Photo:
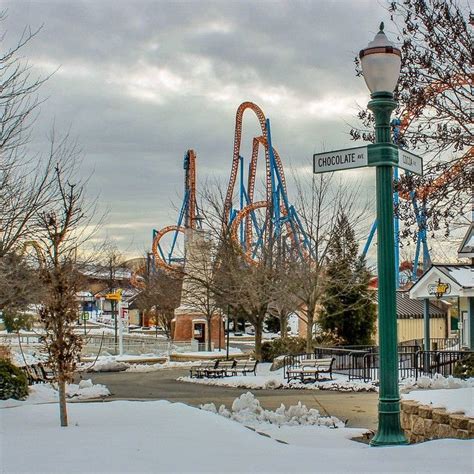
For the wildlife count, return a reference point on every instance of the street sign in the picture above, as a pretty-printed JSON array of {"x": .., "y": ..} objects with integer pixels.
[
  {"x": 85, "y": 316},
  {"x": 340, "y": 160},
  {"x": 116, "y": 296},
  {"x": 366, "y": 156},
  {"x": 410, "y": 162}
]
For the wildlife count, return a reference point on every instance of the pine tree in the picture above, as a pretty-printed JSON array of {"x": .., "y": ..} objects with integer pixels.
[{"x": 348, "y": 311}]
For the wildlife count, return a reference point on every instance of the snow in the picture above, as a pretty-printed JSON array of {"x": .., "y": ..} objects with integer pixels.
[
  {"x": 232, "y": 350},
  {"x": 435, "y": 383},
  {"x": 46, "y": 393},
  {"x": 459, "y": 400},
  {"x": 463, "y": 275},
  {"x": 154, "y": 367},
  {"x": 247, "y": 410},
  {"x": 162, "y": 437}
]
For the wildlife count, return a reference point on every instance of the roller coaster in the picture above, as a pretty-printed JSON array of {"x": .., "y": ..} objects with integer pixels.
[
  {"x": 243, "y": 221},
  {"x": 254, "y": 223},
  {"x": 281, "y": 222}
]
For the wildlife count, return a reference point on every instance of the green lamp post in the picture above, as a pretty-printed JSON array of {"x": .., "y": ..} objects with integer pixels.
[{"x": 381, "y": 62}]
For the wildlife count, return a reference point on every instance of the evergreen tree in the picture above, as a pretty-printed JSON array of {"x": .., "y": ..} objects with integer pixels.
[{"x": 348, "y": 311}]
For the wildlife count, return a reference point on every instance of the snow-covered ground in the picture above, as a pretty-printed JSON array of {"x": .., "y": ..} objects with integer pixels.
[
  {"x": 215, "y": 352},
  {"x": 163, "y": 437},
  {"x": 46, "y": 393},
  {"x": 459, "y": 400}
]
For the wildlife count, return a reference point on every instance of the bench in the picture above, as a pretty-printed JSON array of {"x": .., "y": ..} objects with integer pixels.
[
  {"x": 311, "y": 368},
  {"x": 37, "y": 373},
  {"x": 245, "y": 367},
  {"x": 224, "y": 368},
  {"x": 202, "y": 369}
]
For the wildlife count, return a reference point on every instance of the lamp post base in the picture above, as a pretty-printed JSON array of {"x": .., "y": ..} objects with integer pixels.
[{"x": 390, "y": 432}]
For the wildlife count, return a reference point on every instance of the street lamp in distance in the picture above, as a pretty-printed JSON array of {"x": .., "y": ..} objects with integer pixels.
[{"x": 381, "y": 62}]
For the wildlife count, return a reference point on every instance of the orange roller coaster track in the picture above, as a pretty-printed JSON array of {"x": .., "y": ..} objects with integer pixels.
[{"x": 279, "y": 214}]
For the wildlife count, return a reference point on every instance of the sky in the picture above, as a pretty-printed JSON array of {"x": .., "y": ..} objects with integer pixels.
[{"x": 140, "y": 82}]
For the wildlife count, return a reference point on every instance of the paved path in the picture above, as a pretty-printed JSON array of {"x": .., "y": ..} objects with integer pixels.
[{"x": 358, "y": 408}]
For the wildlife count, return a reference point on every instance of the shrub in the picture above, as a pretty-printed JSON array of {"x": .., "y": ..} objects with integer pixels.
[
  {"x": 464, "y": 368},
  {"x": 13, "y": 381},
  {"x": 278, "y": 347}
]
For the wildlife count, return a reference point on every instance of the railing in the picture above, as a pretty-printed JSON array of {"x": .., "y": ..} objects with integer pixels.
[
  {"x": 436, "y": 343},
  {"x": 364, "y": 365},
  {"x": 430, "y": 363}
]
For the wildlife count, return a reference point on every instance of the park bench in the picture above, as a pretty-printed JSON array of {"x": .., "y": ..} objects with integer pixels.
[
  {"x": 311, "y": 368},
  {"x": 245, "y": 367},
  {"x": 202, "y": 369},
  {"x": 37, "y": 373},
  {"x": 224, "y": 369}
]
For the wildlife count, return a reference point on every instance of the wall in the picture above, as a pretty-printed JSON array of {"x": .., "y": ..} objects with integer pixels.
[{"x": 422, "y": 423}]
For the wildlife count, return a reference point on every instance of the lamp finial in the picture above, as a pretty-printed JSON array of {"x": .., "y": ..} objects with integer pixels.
[{"x": 381, "y": 27}]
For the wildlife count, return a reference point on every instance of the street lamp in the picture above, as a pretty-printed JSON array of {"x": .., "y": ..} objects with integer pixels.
[{"x": 381, "y": 62}]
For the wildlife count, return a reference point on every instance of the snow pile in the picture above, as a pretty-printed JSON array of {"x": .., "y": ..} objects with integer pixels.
[
  {"x": 86, "y": 390},
  {"x": 46, "y": 393},
  {"x": 105, "y": 364},
  {"x": 453, "y": 400},
  {"x": 276, "y": 380},
  {"x": 247, "y": 410},
  {"x": 436, "y": 383},
  {"x": 153, "y": 367}
]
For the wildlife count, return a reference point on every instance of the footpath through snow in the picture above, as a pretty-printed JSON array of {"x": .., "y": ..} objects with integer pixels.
[{"x": 162, "y": 437}]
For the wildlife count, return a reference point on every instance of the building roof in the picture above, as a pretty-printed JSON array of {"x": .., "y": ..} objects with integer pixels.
[
  {"x": 463, "y": 275},
  {"x": 408, "y": 308},
  {"x": 466, "y": 249},
  {"x": 458, "y": 279}
]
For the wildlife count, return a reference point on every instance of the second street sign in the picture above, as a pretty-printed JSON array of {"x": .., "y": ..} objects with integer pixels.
[
  {"x": 410, "y": 162},
  {"x": 340, "y": 160}
]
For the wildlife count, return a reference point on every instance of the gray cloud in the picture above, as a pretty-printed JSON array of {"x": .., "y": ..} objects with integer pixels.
[{"x": 141, "y": 82}]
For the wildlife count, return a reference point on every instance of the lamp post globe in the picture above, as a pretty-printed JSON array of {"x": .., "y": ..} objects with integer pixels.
[{"x": 381, "y": 62}]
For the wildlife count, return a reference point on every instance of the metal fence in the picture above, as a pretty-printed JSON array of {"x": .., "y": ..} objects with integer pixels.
[
  {"x": 106, "y": 344},
  {"x": 436, "y": 343},
  {"x": 364, "y": 364}
]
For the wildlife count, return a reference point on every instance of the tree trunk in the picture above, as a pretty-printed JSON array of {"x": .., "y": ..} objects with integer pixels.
[
  {"x": 258, "y": 340},
  {"x": 283, "y": 326},
  {"x": 209, "y": 334},
  {"x": 62, "y": 401},
  {"x": 309, "y": 331}
]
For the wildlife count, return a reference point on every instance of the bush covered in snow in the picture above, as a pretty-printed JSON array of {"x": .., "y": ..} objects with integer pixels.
[
  {"x": 13, "y": 381},
  {"x": 247, "y": 410}
]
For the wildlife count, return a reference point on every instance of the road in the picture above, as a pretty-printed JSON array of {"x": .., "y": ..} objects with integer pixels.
[{"x": 359, "y": 409}]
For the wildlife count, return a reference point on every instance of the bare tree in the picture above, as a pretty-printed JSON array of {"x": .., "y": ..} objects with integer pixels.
[
  {"x": 26, "y": 180},
  {"x": 159, "y": 296},
  {"x": 435, "y": 98},
  {"x": 63, "y": 226},
  {"x": 200, "y": 284},
  {"x": 319, "y": 202}
]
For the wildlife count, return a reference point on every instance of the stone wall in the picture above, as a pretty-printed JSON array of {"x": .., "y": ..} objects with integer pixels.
[{"x": 423, "y": 422}]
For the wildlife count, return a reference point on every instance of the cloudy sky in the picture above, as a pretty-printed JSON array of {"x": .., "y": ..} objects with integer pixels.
[{"x": 140, "y": 82}]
